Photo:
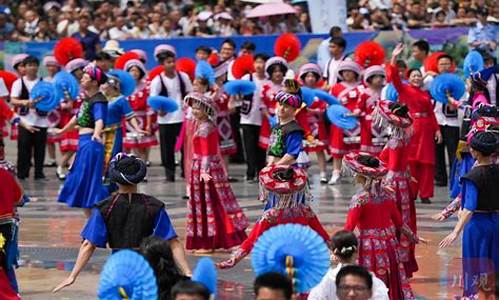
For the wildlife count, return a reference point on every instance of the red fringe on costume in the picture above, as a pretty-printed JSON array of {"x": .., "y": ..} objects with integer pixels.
[
  {"x": 227, "y": 142},
  {"x": 215, "y": 219},
  {"x": 316, "y": 126},
  {"x": 373, "y": 138}
]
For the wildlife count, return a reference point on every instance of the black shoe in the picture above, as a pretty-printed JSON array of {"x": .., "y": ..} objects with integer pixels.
[
  {"x": 232, "y": 179},
  {"x": 148, "y": 163},
  {"x": 440, "y": 183},
  {"x": 170, "y": 179},
  {"x": 425, "y": 200},
  {"x": 41, "y": 178},
  {"x": 185, "y": 197},
  {"x": 50, "y": 164},
  {"x": 250, "y": 179}
]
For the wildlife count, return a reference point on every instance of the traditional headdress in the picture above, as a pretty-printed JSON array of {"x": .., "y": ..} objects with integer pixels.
[
  {"x": 95, "y": 73},
  {"x": 17, "y": 59},
  {"x": 124, "y": 58},
  {"x": 372, "y": 71},
  {"x": 366, "y": 165},
  {"x": 207, "y": 104},
  {"x": 76, "y": 63},
  {"x": 283, "y": 186},
  {"x": 142, "y": 54},
  {"x": 276, "y": 60},
  {"x": 50, "y": 60},
  {"x": 348, "y": 66},
  {"x": 126, "y": 169},
  {"x": 369, "y": 53},
  {"x": 135, "y": 63},
  {"x": 485, "y": 142},
  {"x": 393, "y": 115},
  {"x": 287, "y": 45},
  {"x": 309, "y": 68},
  {"x": 67, "y": 49},
  {"x": 164, "y": 48}
]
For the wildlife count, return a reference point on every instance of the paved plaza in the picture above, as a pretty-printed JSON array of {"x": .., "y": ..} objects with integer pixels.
[{"x": 49, "y": 237}]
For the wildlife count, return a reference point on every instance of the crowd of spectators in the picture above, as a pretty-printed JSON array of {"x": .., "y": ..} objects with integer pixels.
[
  {"x": 32, "y": 20},
  {"x": 416, "y": 14}
]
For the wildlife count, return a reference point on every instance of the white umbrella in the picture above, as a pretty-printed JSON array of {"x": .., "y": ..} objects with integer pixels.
[{"x": 271, "y": 9}]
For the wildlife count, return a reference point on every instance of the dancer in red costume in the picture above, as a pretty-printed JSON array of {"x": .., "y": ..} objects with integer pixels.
[
  {"x": 426, "y": 130},
  {"x": 140, "y": 144},
  {"x": 286, "y": 188},
  {"x": 373, "y": 138},
  {"x": 276, "y": 68},
  {"x": 395, "y": 155},
  {"x": 215, "y": 220},
  {"x": 374, "y": 212},
  {"x": 316, "y": 136},
  {"x": 344, "y": 141}
]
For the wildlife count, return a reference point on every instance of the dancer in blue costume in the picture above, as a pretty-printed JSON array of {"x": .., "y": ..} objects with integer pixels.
[
  {"x": 478, "y": 217},
  {"x": 83, "y": 186},
  {"x": 118, "y": 108}
]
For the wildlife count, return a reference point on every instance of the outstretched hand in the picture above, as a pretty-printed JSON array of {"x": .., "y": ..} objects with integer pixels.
[
  {"x": 66, "y": 282},
  {"x": 448, "y": 240},
  {"x": 398, "y": 50}
]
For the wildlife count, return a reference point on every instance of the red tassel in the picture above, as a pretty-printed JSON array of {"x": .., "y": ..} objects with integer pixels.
[
  {"x": 287, "y": 46},
  {"x": 186, "y": 65},
  {"x": 243, "y": 65},
  {"x": 67, "y": 49},
  {"x": 155, "y": 72},
  {"x": 122, "y": 60},
  {"x": 431, "y": 62},
  {"x": 368, "y": 54},
  {"x": 8, "y": 78}
]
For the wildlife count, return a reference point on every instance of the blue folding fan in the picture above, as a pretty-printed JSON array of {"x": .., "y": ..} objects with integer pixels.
[
  {"x": 45, "y": 95},
  {"x": 66, "y": 85},
  {"x": 340, "y": 116},
  {"x": 326, "y": 97},
  {"x": 127, "y": 275},
  {"x": 164, "y": 104},
  {"x": 206, "y": 274},
  {"x": 127, "y": 82},
  {"x": 473, "y": 62},
  {"x": 445, "y": 84},
  {"x": 239, "y": 87},
  {"x": 305, "y": 246}
]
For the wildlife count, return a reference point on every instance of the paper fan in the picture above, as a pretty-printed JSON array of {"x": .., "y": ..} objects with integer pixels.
[
  {"x": 127, "y": 82},
  {"x": 473, "y": 62},
  {"x": 431, "y": 62},
  {"x": 326, "y": 97},
  {"x": 239, "y": 87},
  {"x": 287, "y": 46},
  {"x": 67, "y": 49},
  {"x": 339, "y": 115},
  {"x": 206, "y": 274},
  {"x": 307, "y": 95},
  {"x": 186, "y": 65},
  {"x": 45, "y": 95},
  {"x": 445, "y": 84},
  {"x": 243, "y": 65},
  {"x": 391, "y": 93},
  {"x": 155, "y": 72},
  {"x": 127, "y": 275},
  {"x": 310, "y": 254},
  {"x": 369, "y": 53},
  {"x": 204, "y": 70},
  {"x": 122, "y": 59},
  {"x": 161, "y": 103},
  {"x": 8, "y": 78},
  {"x": 66, "y": 85}
]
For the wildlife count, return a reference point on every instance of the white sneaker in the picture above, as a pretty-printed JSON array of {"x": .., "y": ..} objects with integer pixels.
[
  {"x": 60, "y": 173},
  {"x": 335, "y": 178},
  {"x": 322, "y": 177}
]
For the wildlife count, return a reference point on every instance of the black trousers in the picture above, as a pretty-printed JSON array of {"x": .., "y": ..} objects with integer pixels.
[
  {"x": 255, "y": 156},
  {"x": 450, "y": 141},
  {"x": 28, "y": 145},
  {"x": 238, "y": 157},
  {"x": 168, "y": 138}
]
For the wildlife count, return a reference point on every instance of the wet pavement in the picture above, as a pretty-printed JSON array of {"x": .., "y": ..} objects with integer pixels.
[{"x": 49, "y": 237}]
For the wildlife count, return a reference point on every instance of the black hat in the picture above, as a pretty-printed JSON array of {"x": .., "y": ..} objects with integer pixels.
[
  {"x": 485, "y": 142},
  {"x": 126, "y": 169}
]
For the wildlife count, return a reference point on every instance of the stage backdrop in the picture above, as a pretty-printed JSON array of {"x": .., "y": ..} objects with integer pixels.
[{"x": 453, "y": 40}]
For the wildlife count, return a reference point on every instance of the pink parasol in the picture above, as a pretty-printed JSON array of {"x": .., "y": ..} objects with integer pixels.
[{"x": 271, "y": 9}]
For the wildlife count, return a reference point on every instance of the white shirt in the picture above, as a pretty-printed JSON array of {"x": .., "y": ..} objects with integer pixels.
[
  {"x": 116, "y": 33},
  {"x": 323, "y": 54},
  {"x": 439, "y": 108},
  {"x": 32, "y": 117},
  {"x": 330, "y": 69},
  {"x": 327, "y": 290},
  {"x": 254, "y": 116},
  {"x": 174, "y": 92}
]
